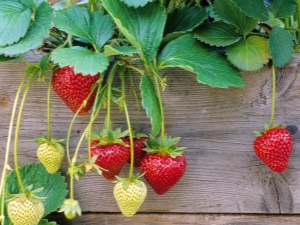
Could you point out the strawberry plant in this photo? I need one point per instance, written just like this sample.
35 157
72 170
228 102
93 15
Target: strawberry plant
91 47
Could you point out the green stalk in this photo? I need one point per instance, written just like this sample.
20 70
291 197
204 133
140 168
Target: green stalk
298 18
72 123
94 113
48 110
128 123
5 165
161 108
136 100
17 129
74 159
109 81
273 94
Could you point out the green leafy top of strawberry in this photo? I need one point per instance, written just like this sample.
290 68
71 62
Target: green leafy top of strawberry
164 145
30 194
266 128
56 143
132 179
109 136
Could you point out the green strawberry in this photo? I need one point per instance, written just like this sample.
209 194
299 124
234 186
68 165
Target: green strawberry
25 210
130 194
50 153
71 208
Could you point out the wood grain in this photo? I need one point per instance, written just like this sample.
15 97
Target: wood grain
223 174
180 219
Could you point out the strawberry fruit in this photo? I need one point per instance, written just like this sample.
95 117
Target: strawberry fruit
138 146
50 153
112 151
25 210
274 147
130 195
74 88
164 164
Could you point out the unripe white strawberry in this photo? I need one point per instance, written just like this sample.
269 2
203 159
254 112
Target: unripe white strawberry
50 154
24 211
130 195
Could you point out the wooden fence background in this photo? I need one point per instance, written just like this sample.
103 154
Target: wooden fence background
224 183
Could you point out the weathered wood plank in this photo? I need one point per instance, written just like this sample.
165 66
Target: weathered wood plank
176 219
223 174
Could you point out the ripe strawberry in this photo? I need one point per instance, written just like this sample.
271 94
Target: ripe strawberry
24 211
138 146
274 147
130 195
74 88
50 153
164 165
113 151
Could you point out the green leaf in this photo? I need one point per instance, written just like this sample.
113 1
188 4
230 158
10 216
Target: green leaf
96 27
217 33
136 3
184 19
35 174
150 103
15 21
5 58
212 69
84 60
250 54
36 33
143 26
228 11
122 50
46 222
281 46
253 8
283 8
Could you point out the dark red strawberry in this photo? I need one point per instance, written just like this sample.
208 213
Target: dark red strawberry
74 88
139 153
274 148
113 152
164 164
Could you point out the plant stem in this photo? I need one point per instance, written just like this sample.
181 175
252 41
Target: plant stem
136 100
94 113
72 123
109 82
5 165
298 18
48 110
273 94
161 108
128 123
17 129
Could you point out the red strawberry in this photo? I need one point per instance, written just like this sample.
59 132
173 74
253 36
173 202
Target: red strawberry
164 165
139 153
113 153
274 148
74 88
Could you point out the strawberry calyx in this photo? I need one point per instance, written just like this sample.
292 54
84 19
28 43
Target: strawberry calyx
70 208
58 144
267 127
109 136
132 179
164 145
80 170
29 195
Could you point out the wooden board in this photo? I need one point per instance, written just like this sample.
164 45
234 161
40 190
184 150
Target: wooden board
223 173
